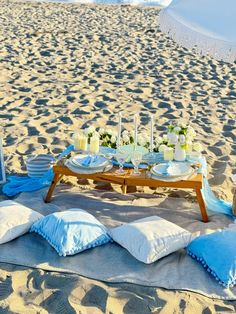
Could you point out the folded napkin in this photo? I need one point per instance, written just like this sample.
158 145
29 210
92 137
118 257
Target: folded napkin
165 170
90 161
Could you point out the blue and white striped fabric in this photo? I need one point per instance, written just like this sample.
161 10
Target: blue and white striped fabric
38 165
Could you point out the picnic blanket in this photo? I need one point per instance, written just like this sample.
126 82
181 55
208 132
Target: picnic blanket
110 262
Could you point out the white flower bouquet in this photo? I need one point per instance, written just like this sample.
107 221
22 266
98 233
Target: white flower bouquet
106 136
181 134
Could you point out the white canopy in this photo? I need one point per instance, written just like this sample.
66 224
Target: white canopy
209 26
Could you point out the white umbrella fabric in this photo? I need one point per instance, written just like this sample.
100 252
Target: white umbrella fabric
208 26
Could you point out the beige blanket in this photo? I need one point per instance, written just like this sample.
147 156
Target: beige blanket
110 262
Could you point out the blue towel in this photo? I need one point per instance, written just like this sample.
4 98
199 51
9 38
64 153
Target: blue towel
17 184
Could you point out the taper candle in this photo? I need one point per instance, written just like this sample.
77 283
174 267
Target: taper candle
135 130
119 130
151 135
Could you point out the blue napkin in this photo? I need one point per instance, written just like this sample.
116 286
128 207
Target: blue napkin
90 160
165 171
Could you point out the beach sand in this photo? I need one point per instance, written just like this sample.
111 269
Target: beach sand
67 66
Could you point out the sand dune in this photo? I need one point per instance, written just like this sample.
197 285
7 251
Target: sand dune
66 66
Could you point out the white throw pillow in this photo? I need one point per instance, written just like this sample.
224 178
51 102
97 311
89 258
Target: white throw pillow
151 238
15 220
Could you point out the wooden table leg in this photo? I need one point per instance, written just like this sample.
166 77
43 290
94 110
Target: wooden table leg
57 177
124 189
202 205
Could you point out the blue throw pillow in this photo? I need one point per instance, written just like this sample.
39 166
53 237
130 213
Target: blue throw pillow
71 231
217 253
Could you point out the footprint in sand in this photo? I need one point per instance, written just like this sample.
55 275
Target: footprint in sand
96 296
5 288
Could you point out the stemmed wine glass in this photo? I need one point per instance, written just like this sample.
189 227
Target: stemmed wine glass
121 157
136 158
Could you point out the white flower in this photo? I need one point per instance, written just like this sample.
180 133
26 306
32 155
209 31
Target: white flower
161 148
113 139
125 133
182 139
177 129
197 147
165 137
91 129
101 131
126 138
172 138
159 140
109 131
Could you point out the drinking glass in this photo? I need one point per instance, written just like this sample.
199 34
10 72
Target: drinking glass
136 158
121 157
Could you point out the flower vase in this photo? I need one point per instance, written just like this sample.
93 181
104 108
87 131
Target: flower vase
180 153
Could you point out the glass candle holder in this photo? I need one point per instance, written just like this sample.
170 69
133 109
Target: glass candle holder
94 145
169 154
84 143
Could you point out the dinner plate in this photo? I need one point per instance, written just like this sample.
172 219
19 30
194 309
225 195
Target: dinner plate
172 169
171 178
78 160
88 170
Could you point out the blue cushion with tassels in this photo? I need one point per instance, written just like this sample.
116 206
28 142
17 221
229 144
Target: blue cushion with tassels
71 231
217 253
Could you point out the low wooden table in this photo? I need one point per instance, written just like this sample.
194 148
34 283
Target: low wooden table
127 179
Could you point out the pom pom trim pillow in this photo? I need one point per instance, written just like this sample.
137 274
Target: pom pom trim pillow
217 253
72 231
15 220
151 238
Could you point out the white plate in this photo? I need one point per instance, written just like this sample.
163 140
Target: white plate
77 162
88 170
175 169
171 178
